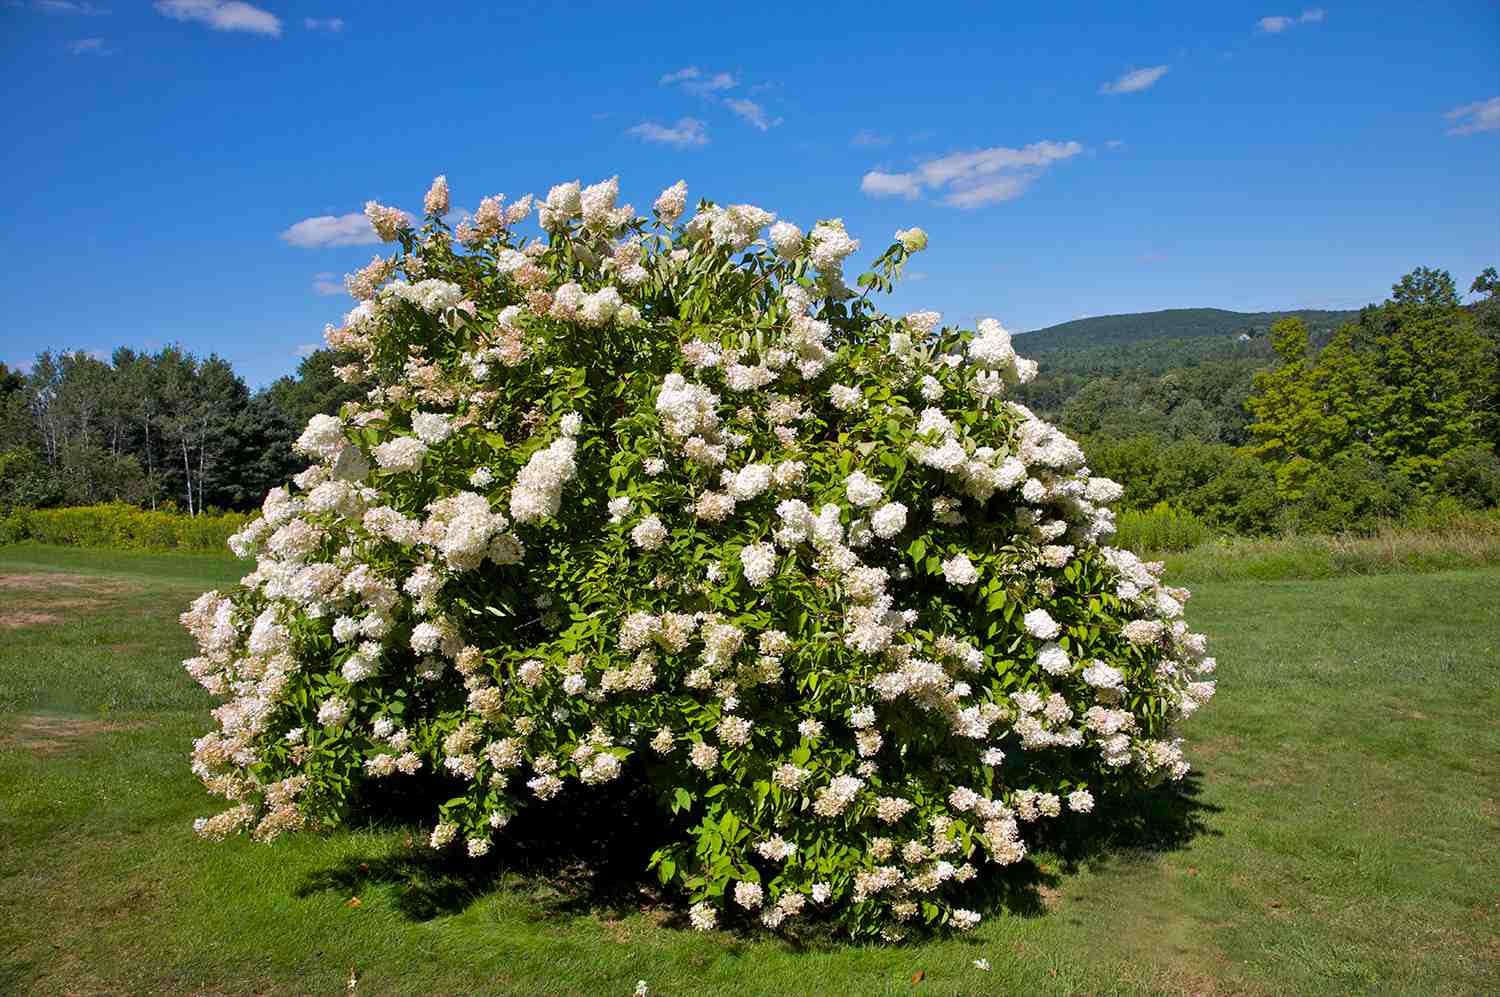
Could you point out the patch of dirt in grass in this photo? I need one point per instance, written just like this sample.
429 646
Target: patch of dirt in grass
38 597
51 735
15 619
51 579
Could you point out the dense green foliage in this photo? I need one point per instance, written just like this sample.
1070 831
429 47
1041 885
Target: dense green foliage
1398 401
1316 427
1172 388
158 430
1171 323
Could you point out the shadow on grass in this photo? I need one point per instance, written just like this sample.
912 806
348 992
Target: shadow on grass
581 852
587 853
1131 826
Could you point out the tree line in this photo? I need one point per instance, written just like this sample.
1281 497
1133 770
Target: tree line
1395 411
1322 429
166 429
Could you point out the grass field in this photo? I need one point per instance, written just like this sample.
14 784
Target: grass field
1340 834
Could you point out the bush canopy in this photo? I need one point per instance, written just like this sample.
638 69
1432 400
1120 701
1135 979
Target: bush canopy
673 504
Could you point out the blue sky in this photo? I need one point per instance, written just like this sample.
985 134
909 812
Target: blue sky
1081 159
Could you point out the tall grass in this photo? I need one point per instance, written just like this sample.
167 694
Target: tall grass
1430 543
122 527
1160 528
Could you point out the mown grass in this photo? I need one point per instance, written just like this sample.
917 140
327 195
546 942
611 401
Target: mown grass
1338 836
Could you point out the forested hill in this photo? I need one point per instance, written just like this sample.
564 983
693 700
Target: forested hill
1172 323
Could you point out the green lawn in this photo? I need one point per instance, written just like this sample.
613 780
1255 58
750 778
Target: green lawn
1340 834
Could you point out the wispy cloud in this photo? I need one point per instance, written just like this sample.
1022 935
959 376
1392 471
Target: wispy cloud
714 87
709 85
67 7
327 283
1276 25
687 132
332 25
992 191
353 229
867 138
696 81
1136 80
308 349
1114 143
223 15
751 112
1480 116
879 184
90 46
973 179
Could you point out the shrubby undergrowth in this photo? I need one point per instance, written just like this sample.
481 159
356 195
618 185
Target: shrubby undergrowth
121 526
672 502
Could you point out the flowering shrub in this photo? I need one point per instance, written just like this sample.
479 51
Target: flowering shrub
673 503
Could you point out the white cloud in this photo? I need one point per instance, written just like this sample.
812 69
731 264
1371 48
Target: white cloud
223 15
1480 116
992 191
866 138
353 229
973 179
696 81
1115 143
69 7
327 283
1136 80
713 88
308 349
686 132
707 86
90 46
878 184
333 25
1276 25
963 165
751 112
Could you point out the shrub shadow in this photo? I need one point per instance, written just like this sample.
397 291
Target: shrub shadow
1128 827
587 852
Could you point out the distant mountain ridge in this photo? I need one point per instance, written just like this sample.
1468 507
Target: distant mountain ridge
1172 323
